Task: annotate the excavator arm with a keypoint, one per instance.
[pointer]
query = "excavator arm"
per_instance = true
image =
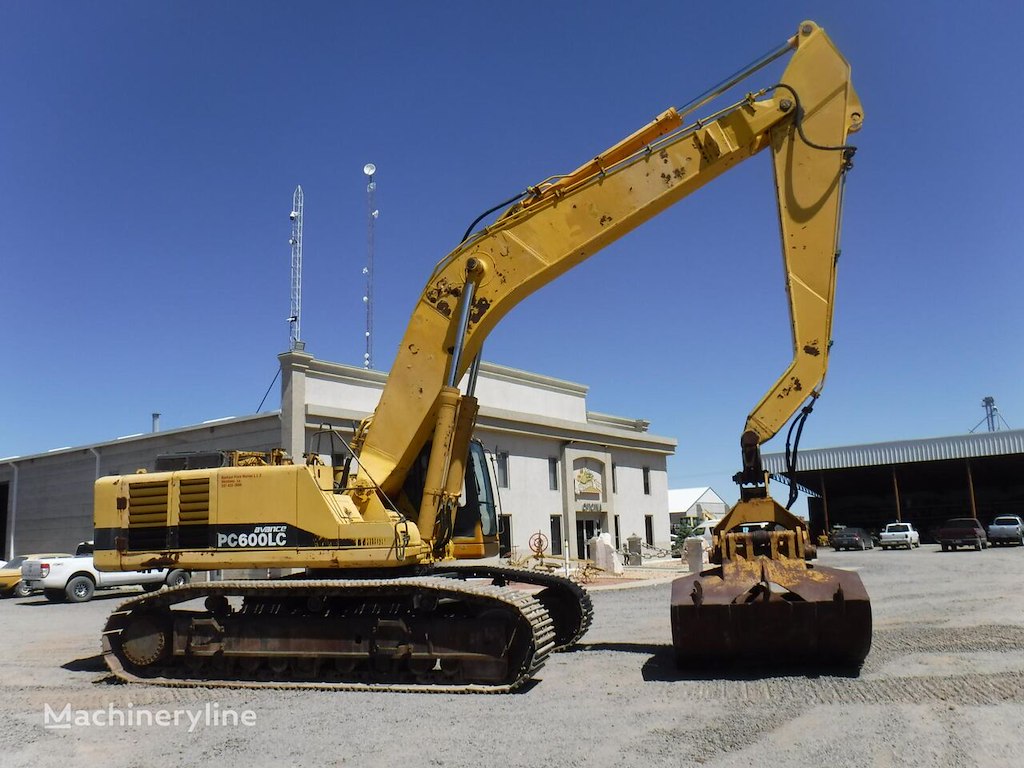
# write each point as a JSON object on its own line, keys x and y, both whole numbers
{"x": 804, "y": 121}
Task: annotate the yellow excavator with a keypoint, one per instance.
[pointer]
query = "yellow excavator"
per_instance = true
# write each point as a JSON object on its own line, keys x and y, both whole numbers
{"x": 390, "y": 539}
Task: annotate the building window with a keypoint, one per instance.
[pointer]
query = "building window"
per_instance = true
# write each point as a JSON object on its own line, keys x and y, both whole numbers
{"x": 649, "y": 529}
{"x": 618, "y": 534}
{"x": 615, "y": 478}
{"x": 647, "y": 481}
{"x": 501, "y": 468}
{"x": 556, "y": 534}
{"x": 553, "y": 474}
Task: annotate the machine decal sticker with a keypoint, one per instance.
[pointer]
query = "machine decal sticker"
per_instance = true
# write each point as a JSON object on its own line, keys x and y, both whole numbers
{"x": 254, "y": 536}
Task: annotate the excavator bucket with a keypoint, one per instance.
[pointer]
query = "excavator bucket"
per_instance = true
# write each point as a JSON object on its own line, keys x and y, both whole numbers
{"x": 764, "y": 606}
{"x": 820, "y": 617}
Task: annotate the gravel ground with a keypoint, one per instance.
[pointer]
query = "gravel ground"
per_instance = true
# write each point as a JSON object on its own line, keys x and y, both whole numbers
{"x": 943, "y": 686}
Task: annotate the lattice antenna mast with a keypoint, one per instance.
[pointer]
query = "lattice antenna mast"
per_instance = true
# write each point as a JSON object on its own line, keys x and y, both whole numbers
{"x": 989, "y": 404}
{"x": 993, "y": 418}
{"x": 371, "y": 210}
{"x": 295, "y": 318}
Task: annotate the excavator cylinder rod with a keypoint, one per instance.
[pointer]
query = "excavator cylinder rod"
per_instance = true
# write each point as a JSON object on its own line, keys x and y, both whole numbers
{"x": 786, "y": 614}
{"x": 408, "y": 634}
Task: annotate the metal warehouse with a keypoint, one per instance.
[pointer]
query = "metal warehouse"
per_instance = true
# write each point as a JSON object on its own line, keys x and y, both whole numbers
{"x": 923, "y": 482}
{"x": 562, "y": 470}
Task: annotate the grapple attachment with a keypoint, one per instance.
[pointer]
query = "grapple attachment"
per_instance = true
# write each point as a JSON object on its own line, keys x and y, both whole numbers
{"x": 763, "y": 605}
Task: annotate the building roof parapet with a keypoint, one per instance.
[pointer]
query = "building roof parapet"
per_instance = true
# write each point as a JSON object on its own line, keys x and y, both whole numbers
{"x": 515, "y": 375}
{"x": 529, "y": 423}
{"x": 575, "y": 431}
{"x": 341, "y": 371}
{"x": 621, "y": 422}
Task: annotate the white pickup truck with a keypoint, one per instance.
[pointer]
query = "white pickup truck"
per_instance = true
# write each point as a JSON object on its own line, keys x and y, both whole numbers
{"x": 76, "y": 578}
{"x": 899, "y": 535}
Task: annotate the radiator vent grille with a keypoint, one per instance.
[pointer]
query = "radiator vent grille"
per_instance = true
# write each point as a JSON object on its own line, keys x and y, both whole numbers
{"x": 194, "y": 513}
{"x": 195, "y": 502}
{"x": 147, "y": 505}
{"x": 147, "y": 516}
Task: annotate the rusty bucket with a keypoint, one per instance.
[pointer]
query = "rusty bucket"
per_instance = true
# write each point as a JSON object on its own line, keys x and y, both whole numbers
{"x": 765, "y": 612}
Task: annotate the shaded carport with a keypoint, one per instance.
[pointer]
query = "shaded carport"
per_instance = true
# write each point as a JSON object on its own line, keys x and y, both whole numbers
{"x": 923, "y": 482}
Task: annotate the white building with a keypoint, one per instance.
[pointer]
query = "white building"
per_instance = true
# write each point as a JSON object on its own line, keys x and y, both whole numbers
{"x": 562, "y": 470}
{"x": 694, "y": 505}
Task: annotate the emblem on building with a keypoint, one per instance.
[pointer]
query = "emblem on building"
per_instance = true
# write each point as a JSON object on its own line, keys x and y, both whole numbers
{"x": 587, "y": 481}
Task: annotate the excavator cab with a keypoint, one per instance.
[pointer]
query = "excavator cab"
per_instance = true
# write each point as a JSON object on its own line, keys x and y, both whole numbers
{"x": 474, "y": 530}
{"x": 476, "y": 520}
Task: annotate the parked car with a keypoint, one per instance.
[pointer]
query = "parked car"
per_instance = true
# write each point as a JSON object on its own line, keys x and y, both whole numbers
{"x": 703, "y": 531}
{"x": 832, "y": 533}
{"x": 11, "y": 583}
{"x": 852, "y": 538}
{"x": 76, "y": 578}
{"x": 962, "y": 532}
{"x": 1007, "y": 529}
{"x": 899, "y": 535}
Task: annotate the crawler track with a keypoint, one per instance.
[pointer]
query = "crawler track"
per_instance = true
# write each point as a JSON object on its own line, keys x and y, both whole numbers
{"x": 568, "y": 603}
{"x": 423, "y": 633}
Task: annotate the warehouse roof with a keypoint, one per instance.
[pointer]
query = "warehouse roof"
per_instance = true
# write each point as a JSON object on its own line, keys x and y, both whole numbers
{"x": 1000, "y": 443}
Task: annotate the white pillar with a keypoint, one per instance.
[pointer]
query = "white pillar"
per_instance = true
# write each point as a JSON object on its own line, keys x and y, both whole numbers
{"x": 294, "y": 365}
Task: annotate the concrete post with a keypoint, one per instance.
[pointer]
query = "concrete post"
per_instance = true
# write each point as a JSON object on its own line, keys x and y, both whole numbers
{"x": 294, "y": 365}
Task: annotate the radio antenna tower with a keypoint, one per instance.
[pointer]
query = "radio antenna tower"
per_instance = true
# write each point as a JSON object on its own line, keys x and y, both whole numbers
{"x": 369, "y": 169}
{"x": 295, "y": 318}
{"x": 992, "y": 416}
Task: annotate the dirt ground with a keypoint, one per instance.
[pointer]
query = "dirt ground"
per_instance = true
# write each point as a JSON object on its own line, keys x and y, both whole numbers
{"x": 943, "y": 686}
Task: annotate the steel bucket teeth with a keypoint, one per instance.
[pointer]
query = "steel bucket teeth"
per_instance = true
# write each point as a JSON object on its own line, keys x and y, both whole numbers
{"x": 770, "y": 613}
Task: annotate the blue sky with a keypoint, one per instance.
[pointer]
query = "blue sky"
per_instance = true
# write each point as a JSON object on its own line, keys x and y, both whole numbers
{"x": 148, "y": 154}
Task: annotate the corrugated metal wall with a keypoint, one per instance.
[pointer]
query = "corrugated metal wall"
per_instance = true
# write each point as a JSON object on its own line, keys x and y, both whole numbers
{"x": 53, "y": 510}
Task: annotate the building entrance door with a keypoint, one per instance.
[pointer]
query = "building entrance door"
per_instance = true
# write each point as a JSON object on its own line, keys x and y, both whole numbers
{"x": 585, "y": 531}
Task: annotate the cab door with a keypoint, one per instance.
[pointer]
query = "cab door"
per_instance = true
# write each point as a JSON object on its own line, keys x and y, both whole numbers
{"x": 476, "y": 521}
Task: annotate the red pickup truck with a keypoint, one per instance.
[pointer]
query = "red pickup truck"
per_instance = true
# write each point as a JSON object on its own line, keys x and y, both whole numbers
{"x": 962, "y": 532}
